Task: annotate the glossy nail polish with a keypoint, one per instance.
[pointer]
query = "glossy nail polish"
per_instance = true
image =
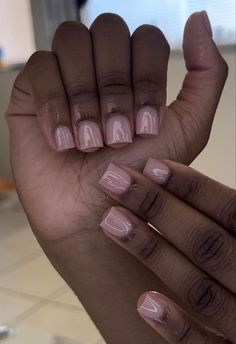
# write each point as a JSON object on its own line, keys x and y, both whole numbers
{"x": 90, "y": 137}
{"x": 118, "y": 130}
{"x": 156, "y": 307}
{"x": 151, "y": 308}
{"x": 117, "y": 223}
{"x": 115, "y": 180}
{"x": 64, "y": 138}
{"x": 156, "y": 171}
{"x": 147, "y": 121}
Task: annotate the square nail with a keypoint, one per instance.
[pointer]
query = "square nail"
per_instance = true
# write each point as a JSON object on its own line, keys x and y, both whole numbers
{"x": 118, "y": 130}
{"x": 147, "y": 121}
{"x": 117, "y": 223}
{"x": 156, "y": 171}
{"x": 151, "y": 308}
{"x": 90, "y": 137}
{"x": 64, "y": 138}
{"x": 115, "y": 179}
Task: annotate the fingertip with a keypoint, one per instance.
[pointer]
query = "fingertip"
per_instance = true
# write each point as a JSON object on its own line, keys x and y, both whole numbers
{"x": 199, "y": 48}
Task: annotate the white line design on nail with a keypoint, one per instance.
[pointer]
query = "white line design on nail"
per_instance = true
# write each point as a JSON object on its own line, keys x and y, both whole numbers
{"x": 116, "y": 180}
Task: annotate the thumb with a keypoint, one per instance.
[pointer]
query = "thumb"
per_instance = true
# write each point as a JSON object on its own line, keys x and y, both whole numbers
{"x": 207, "y": 71}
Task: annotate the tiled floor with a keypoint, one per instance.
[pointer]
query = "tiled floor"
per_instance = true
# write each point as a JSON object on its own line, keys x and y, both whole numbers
{"x": 40, "y": 310}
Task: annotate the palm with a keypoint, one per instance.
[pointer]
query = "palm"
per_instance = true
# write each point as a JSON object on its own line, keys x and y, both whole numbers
{"x": 63, "y": 186}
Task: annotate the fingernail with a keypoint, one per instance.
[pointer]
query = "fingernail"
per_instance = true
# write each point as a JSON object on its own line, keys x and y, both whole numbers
{"x": 207, "y": 23}
{"x": 115, "y": 180}
{"x": 117, "y": 223}
{"x": 90, "y": 137}
{"x": 118, "y": 130}
{"x": 151, "y": 308}
{"x": 156, "y": 171}
{"x": 147, "y": 121}
{"x": 64, "y": 138}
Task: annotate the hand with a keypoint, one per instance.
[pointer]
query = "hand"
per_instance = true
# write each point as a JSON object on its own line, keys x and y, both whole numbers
{"x": 194, "y": 252}
{"x": 58, "y": 189}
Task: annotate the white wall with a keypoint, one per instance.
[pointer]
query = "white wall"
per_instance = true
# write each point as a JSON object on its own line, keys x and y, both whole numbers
{"x": 217, "y": 160}
{"x": 16, "y": 30}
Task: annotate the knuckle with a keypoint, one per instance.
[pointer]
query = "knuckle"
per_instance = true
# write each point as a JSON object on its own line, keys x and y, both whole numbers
{"x": 150, "y": 252}
{"x": 80, "y": 92}
{"x": 152, "y": 205}
{"x": 221, "y": 69}
{"x": 205, "y": 296}
{"x": 228, "y": 215}
{"x": 48, "y": 102}
{"x": 114, "y": 83}
{"x": 148, "y": 83}
{"x": 188, "y": 187}
{"x": 186, "y": 334}
{"x": 210, "y": 250}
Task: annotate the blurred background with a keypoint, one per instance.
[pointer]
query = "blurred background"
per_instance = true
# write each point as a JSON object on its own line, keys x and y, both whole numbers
{"x": 34, "y": 302}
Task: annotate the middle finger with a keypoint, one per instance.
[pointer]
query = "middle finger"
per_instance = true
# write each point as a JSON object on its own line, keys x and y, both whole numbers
{"x": 112, "y": 51}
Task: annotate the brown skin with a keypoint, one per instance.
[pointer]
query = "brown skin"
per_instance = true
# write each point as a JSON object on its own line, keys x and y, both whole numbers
{"x": 58, "y": 189}
{"x": 197, "y": 258}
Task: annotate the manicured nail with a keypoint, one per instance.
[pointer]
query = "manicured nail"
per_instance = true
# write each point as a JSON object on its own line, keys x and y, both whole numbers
{"x": 207, "y": 23}
{"x": 151, "y": 308}
{"x": 115, "y": 180}
{"x": 147, "y": 121}
{"x": 90, "y": 137}
{"x": 156, "y": 171}
{"x": 118, "y": 130}
{"x": 155, "y": 307}
{"x": 64, "y": 138}
{"x": 117, "y": 223}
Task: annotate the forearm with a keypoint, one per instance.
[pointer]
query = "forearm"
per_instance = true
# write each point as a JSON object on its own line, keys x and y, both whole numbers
{"x": 109, "y": 292}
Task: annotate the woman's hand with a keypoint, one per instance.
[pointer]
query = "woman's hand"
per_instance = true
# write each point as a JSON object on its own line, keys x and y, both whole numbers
{"x": 193, "y": 252}
{"x": 51, "y": 100}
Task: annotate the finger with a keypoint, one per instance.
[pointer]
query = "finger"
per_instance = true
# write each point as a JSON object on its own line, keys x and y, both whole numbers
{"x": 200, "y": 293}
{"x": 50, "y": 100}
{"x": 173, "y": 323}
{"x": 202, "y": 87}
{"x": 205, "y": 243}
{"x": 72, "y": 45}
{"x": 214, "y": 199}
{"x": 150, "y": 55}
{"x": 111, "y": 42}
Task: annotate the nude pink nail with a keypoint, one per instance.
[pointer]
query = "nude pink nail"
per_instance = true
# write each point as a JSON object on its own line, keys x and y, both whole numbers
{"x": 151, "y": 308}
{"x": 115, "y": 180}
{"x": 64, "y": 138}
{"x": 147, "y": 121}
{"x": 117, "y": 223}
{"x": 90, "y": 137}
{"x": 156, "y": 171}
{"x": 118, "y": 130}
